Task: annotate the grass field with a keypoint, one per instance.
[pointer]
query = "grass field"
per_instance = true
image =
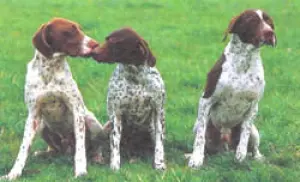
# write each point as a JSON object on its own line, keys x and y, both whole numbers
{"x": 185, "y": 36}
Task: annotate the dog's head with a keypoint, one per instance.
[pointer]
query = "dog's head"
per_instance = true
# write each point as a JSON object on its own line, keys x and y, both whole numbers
{"x": 62, "y": 36}
{"x": 253, "y": 27}
{"x": 125, "y": 46}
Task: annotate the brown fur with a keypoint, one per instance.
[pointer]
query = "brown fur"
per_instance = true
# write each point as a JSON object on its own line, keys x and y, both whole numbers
{"x": 125, "y": 46}
{"x": 60, "y": 35}
{"x": 136, "y": 143}
{"x": 215, "y": 144}
{"x": 247, "y": 26}
{"x": 67, "y": 145}
{"x": 213, "y": 77}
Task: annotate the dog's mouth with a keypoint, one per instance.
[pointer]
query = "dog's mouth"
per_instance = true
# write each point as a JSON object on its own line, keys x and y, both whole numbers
{"x": 101, "y": 54}
{"x": 87, "y": 49}
{"x": 269, "y": 39}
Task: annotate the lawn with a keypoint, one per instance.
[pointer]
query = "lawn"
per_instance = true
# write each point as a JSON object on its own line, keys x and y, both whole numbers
{"x": 185, "y": 36}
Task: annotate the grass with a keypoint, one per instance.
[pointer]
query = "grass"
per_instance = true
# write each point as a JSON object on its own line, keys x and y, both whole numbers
{"x": 186, "y": 38}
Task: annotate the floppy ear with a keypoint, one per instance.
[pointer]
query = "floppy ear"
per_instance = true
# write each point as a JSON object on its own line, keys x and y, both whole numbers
{"x": 230, "y": 28}
{"x": 148, "y": 56}
{"x": 39, "y": 41}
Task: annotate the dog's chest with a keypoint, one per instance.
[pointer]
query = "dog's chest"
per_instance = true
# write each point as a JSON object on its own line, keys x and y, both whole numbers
{"x": 135, "y": 96}
{"x": 134, "y": 104}
{"x": 43, "y": 84}
{"x": 238, "y": 90}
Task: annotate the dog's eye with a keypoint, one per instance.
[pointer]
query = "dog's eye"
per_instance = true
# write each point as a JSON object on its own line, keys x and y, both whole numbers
{"x": 67, "y": 33}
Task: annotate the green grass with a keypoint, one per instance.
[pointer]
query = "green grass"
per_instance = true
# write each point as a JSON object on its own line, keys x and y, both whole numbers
{"x": 186, "y": 38}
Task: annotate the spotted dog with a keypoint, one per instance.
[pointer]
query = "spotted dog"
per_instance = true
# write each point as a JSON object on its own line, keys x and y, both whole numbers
{"x": 55, "y": 105}
{"x": 136, "y": 94}
{"x": 234, "y": 87}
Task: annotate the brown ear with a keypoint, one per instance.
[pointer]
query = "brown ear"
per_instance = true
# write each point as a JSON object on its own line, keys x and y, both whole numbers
{"x": 39, "y": 41}
{"x": 151, "y": 60}
{"x": 230, "y": 28}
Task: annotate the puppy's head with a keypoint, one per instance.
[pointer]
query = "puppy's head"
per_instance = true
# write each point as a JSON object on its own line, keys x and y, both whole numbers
{"x": 125, "y": 46}
{"x": 62, "y": 36}
{"x": 253, "y": 27}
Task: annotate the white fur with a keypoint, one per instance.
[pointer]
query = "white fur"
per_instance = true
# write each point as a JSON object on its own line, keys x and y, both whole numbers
{"x": 53, "y": 100}
{"x": 84, "y": 47}
{"x": 136, "y": 98}
{"x": 235, "y": 99}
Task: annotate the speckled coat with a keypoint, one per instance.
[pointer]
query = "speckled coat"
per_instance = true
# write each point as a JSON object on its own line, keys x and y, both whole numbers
{"x": 234, "y": 87}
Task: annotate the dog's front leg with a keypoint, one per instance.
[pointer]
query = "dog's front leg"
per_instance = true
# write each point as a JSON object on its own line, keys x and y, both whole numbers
{"x": 31, "y": 127}
{"x": 115, "y": 139}
{"x": 80, "y": 151}
{"x": 159, "y": 154}
{"x": 197, "y": 156}
{"x": 246, "y": 127}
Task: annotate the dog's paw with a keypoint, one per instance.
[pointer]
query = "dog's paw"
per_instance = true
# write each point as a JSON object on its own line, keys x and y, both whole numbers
{"x": 160, "y": 166}
{"x": 115, "y": 166}
{"x": 10, "y": 177}
{"x": 80, "y": 173}
{"x": 195, "y": 162}
{"x": 3, "y": 178}
{"x": 240, "y": 156}
{"x": 259, "y": 158}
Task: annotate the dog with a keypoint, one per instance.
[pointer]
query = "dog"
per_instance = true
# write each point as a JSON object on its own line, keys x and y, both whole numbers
{"x": 234, "y": 87}
{"x": 55, "y": 105}
{"x": 136, "y": 95}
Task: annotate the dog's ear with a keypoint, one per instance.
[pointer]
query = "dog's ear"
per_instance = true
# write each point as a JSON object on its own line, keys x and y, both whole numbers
{"x": 40, "y": 42}
{"x": 230, "y": 27}
{"x": 147, "y": 54}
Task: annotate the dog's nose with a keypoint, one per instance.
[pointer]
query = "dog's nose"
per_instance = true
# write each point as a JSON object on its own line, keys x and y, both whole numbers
{"x": 93, "y": 44}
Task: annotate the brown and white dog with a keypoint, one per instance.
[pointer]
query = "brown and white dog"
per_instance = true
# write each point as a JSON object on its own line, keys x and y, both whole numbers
{"x": 135, "y": 99}
{"x": 55, "y": 104}
{"x": 234, "y": 87}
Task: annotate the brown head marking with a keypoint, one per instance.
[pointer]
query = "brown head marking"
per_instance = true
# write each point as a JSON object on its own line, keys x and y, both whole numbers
{"x": 125, "y": 46}
{"x": 252, "y": 29}
{"x": 61, "y": 35}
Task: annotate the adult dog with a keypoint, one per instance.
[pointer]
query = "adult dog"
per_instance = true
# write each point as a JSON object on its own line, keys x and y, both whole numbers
{"x": 235, "y": 85}
{"x": 136, "y": 94}
{"x": 55, "y": 104}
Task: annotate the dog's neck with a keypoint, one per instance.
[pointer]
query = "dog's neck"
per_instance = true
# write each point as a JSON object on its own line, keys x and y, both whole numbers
{"x": 133, "y": 73}
{"x": 49, "y": 67}
{"x": 242, "y": 55}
